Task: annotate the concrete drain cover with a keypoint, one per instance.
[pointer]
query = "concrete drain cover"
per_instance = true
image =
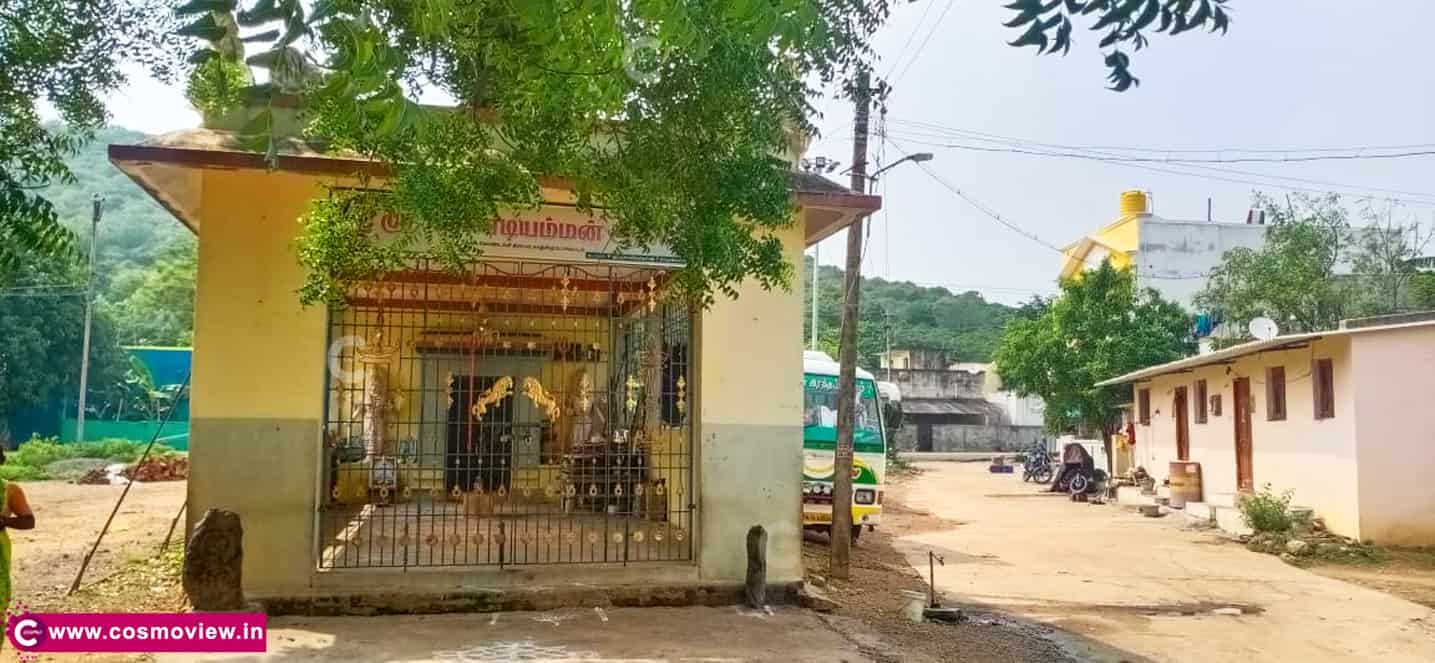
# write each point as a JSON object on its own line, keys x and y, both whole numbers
{"x": 526, "y": 650}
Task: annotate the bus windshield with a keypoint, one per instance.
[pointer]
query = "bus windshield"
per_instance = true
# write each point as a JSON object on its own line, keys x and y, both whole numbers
{"x": 819, "y": 414}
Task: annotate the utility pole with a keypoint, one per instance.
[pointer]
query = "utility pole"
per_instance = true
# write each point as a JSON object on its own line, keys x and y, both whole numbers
{"x": 816, "y": 267}
{"x": 96, "y": 203}
{"x": 887, "y": 319}
{"x": 847, "y": 371}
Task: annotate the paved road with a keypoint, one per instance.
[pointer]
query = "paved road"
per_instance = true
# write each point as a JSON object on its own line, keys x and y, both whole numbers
{"x": 1133, "y": 588}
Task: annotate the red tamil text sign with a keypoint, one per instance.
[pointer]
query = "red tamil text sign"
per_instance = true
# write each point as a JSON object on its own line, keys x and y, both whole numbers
{"x": 138, "y": 632}
{"x": 553, "y": 233}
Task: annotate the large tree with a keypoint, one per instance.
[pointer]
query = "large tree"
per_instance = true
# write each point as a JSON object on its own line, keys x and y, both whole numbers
{"x": 155, "y": 305}
{"x": 1384, "y": 258}
{"x": 669, "y": 114}
{"x": 1315, "y": 268}
{"x": 1292, "y": 278}
{"x": 41, "y": 324}
{"x": 67, "y": 55}
{"x": 1099, "y": 327}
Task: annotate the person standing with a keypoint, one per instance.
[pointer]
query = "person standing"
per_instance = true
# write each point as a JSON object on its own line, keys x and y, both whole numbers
{"x": 14, "y": 514}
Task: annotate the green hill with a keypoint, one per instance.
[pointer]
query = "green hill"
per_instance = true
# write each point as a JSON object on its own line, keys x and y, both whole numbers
{"x": 965, "y": 324}
{"x": 145, "y": 273}
{"x": 134, "y": 231}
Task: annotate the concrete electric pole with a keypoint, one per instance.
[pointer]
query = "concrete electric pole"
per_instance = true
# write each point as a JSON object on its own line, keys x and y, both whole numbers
{"x": 97, "y": 204}
{"x": 847, "y": 371}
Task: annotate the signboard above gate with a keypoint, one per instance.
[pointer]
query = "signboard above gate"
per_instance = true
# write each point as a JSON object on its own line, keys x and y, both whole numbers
{"x": 554, "y": 234}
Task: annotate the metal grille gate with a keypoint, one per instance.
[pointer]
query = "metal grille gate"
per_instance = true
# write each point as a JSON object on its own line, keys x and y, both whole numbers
{"x": 523, "y": 413}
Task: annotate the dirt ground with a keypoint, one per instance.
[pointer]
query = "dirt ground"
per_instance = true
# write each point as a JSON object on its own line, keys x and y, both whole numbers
{"x": 1039, "y": 578}
{"x": 67, "y": 519}
{"x": 872, "y": 597}
{"x": 1120, "y": 587}
{"x": 1409, "y": 574}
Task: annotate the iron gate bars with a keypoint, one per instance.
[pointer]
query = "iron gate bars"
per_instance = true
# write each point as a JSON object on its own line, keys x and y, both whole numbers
{"x": 521, "y": 413}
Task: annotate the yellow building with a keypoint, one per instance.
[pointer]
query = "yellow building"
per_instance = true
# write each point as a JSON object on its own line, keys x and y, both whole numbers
{"x": 1171, "y": 256}
{"x": 1117, "y": 241}
{"x": 549, "y": 411}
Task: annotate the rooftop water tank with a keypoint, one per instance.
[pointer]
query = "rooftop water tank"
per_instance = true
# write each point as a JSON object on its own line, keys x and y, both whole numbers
{"x": 1133, "y": 203}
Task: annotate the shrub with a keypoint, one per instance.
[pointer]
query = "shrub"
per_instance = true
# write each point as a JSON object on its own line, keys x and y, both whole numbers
{"x": 21, "y": 473}
{"x": 1266, "y": 511}
{"x": 39, "y": 452}
{"x": 120, "y": 451}
{"x": 32, "y": 460}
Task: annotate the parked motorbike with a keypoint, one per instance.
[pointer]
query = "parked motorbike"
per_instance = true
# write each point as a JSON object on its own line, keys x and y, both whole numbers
{"x": 1037, "y": 466}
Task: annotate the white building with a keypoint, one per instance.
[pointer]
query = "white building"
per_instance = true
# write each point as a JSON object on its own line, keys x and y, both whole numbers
{"x": 1167, "y": 255}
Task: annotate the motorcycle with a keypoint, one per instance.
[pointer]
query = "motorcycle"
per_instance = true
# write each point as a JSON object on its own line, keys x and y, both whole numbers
{"x": 1037, "y": 466}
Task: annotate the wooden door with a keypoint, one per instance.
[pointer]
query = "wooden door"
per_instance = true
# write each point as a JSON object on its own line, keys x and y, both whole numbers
{"x": 1183, "y": 425}
{"x": 924, "y": 437}
{"x": 1245, "y": 481}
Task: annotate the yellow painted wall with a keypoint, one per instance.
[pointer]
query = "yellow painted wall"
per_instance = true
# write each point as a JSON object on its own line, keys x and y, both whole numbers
{"x": 750, "y": 457}
{"x": 1124, "y": 236}
{"x": 1115, "y": 242}
{"x": 1314, "y": 458}
{"x": 259, "y": 396}
{"x": 258, "y": 383}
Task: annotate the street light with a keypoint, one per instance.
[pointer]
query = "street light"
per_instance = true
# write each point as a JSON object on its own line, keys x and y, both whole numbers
{"x": 916, "y": 157}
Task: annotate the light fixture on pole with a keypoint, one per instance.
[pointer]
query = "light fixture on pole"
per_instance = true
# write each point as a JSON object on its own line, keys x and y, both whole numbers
{"x": 915, "y": 157}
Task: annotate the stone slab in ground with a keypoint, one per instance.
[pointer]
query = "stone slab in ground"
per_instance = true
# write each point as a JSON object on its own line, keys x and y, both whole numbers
{"x": 614, "y": 634}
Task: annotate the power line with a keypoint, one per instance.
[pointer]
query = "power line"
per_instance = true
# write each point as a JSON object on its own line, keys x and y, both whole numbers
{"x": 994, "y": 215}
{"x": 926, "y": 9}
{"x": 1393, "y": 195}
{"x": 1201, "y": 150}
{"x": 918, "y": 54}
{"x": 1183, "y": 160}
{"x": 950, "y": 132}
{"x": 1032, "y": 236}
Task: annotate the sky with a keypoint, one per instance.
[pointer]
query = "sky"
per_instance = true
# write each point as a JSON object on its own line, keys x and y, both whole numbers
{"x": 1288, "y": 76}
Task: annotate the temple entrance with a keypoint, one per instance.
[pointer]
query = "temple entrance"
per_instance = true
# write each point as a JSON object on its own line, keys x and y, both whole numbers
{"x": 523, "y": 413}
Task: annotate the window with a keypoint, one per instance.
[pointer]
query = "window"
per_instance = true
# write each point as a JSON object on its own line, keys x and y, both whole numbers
{"x": 1143, "y": 406}
{"x": 1215, "y": 405}
{"x": 1200, "y": 401}
{"x": 1275, "y": 393}
{"x": 1322, "y": 374}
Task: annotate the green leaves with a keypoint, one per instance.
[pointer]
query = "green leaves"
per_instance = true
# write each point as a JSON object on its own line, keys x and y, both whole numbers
{"x": 204, "y": 6}
{"x": 1292, "y": 278}
{"x": 1099, "y": 327}
{"x": 1122, "y": 21}
{"x": 667, "y": 114}
{"x": 204, "y": 27}
{"x": 65, "y": 55}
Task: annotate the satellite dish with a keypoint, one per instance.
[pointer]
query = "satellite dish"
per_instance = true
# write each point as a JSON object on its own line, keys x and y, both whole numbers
{"x": 1264, "y": 328}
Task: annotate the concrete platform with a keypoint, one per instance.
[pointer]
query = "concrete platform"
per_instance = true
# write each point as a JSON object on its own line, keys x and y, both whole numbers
{"x": 1132, "y": 496}
{"x": 1229, "y": 519}
{"x": 1200, "y": 513}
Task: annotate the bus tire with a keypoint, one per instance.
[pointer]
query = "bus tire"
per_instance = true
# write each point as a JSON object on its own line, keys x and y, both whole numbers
{"x": 856, "y": 533}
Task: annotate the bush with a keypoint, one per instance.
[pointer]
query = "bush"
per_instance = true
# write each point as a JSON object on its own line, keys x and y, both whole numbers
{"x": 120, "y": 451}
{"x": 1422, "y": 290}
{"x": 21, "y": 473}
{"x": 39, "y": 452}
{"x": 1266, "y": 511}
{"x": 32, "y": 460}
